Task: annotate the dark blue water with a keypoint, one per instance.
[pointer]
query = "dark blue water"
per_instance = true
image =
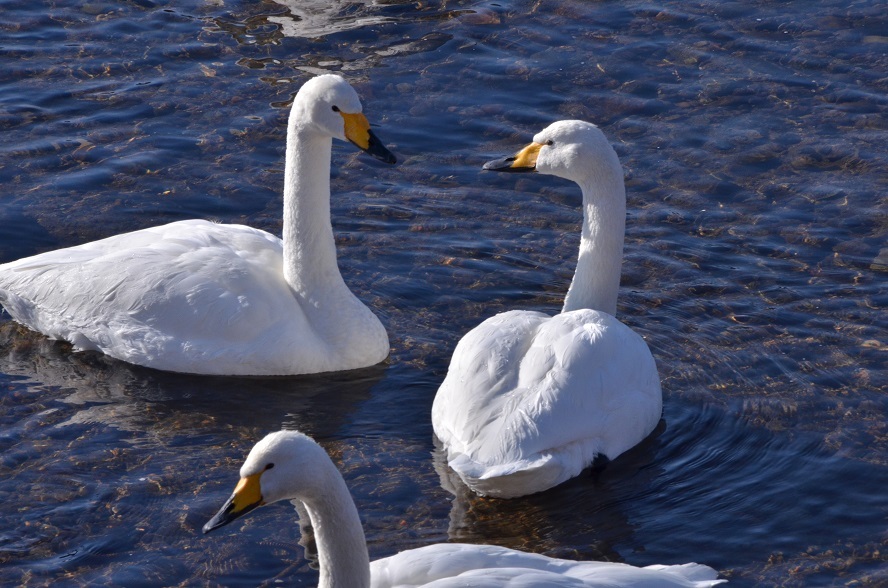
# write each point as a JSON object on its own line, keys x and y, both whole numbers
{"x": 753, "y": 138}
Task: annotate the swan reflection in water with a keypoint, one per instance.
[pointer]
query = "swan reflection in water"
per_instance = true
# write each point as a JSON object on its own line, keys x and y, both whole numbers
{"x": 97, "y": 389}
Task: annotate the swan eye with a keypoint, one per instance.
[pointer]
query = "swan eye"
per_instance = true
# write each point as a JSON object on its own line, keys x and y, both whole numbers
{"x": 550, "y": 142}
{"x": 271, "y": 465}
{"x": 335, "y": 108}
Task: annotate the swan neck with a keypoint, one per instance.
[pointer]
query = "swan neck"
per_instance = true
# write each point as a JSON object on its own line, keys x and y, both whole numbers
{"x": 342, "y": 548}
{"x": 596, "y": 282}
{"x": 309, "y": 247}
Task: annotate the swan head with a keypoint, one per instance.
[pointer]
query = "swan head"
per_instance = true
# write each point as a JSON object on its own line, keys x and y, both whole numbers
{"x": 570, "y": 149}
{"x": 283, "y": 465}
{"x": 330, "y": 105}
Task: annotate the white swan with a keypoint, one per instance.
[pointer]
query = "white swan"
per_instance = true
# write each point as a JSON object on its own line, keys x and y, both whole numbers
{"x": 288, "y": 465}
{"x": 199, "y": 297}
{"x": 530, "y": 400}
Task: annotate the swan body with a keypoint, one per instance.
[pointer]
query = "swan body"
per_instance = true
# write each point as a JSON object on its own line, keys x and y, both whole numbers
{"x": 530, "y": 400}
{"x": 288, "y": 465}
{"x": 198, "y": 297}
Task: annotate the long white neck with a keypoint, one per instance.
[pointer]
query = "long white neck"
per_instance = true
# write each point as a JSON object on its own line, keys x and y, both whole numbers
{"x": 309, "y": 249}
{"x": 342, "y": 547}
{"x": 596, "y": 281}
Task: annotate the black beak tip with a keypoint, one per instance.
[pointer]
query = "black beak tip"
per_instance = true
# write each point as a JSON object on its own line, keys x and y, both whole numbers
{"x": 214, "y": 523}
{"x": 504, "y": 164}
{"x": 379, "y": 151}
{"x": 221, "y": 518}
{"x": 227, "y": 514}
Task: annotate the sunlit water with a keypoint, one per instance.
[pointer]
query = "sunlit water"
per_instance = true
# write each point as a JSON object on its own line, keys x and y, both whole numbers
{"x": 753, "y": 139}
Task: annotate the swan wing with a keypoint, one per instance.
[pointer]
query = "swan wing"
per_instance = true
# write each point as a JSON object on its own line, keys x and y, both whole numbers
{"x": 483, "y": 371}
{"x": 529, "y": 400}
{"x": 446, "y": 565}
{"x": 167, "y": 297}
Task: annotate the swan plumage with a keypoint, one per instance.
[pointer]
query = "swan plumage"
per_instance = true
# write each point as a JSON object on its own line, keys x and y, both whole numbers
{"x": 200, "y": 297}
{"x": 288, "y": 465}
{"x": 530, "y": 400}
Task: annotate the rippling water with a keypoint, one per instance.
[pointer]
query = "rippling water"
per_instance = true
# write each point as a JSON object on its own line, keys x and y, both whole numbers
{"x": 753, "y": 138}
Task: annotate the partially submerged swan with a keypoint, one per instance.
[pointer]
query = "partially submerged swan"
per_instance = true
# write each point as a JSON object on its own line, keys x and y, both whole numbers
{"x": 198, "y": 297}
{"x": 531, "y": 400}
{"x": 288, "y": 465}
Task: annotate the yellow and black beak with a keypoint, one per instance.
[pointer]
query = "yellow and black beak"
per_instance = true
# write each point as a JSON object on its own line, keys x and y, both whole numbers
{"x": 523, "y": 161}
{"x": 357, "y": 130}
{"x": 247, "y": 496}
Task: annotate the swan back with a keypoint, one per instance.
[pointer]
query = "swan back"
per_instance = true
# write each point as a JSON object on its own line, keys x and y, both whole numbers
{"x": 455, "y": 565}
{"x": 530, "y": 400}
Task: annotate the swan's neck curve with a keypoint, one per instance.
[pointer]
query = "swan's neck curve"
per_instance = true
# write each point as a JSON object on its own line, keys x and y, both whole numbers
{"x": 309, "y": 248}
{"x": 596, "y": 282}
{"x": 342, "y": 548}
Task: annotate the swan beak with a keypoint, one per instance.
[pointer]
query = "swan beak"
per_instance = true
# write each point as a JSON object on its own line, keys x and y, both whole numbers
{"x": 357, "y": 130}
{"x": 247, "y": 496}
{"x": 523, "y": 161}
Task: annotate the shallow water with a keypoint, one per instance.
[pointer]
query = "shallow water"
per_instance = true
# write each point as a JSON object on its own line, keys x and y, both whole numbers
{"x": 753, "y": 139}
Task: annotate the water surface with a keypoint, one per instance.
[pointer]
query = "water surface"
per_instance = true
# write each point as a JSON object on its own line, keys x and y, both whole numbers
{"x": 753, "y": 140}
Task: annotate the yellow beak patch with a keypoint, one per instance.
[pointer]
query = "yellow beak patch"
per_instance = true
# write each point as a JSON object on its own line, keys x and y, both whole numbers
{"x": 357, "y": 129}
{"x": 527, "y": 157}
{"x": 247, "y": 493}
